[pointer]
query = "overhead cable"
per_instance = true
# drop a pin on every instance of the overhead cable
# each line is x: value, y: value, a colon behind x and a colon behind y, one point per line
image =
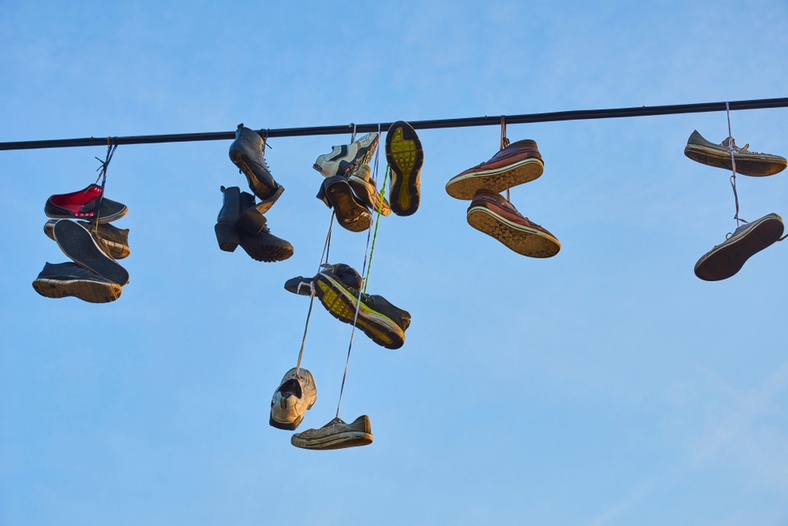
x: 571, y: 115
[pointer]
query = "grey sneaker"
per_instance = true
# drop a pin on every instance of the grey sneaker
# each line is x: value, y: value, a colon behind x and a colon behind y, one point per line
x: 76, y: 242
x: 114, y: 240
x: 719, y: 155
x: 727, y: 258
x: 59, y: 280
x: 295, y: 395
x: 335, y: 435
x: 343, y: 159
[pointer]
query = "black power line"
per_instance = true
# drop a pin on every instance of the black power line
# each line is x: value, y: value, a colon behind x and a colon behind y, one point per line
x: 642, y: 111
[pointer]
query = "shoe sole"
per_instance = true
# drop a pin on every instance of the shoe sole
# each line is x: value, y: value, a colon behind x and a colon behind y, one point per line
x: 77, y: 243
x: 727, y: 259
x: 405, y: 157
x: 338, y: 441
x: 523, y: 240
x: 281, y: 251
x: 353, y: 216
x: 90, y: 291
x: 496, y: 180
x: 342, y: 305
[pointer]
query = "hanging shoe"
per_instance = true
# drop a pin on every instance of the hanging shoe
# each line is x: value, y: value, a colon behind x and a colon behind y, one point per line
x: 247, y: 152
x: 76, y: 242
x: 114, y: 240
x: 383, y: 322
x: 336, y: 435
x: 405, y: 157
x: 295, y: 395
x: 336, y: 193
x: 255, y: 237
x: 84, y: 204
x: 343, y: 159
x: 492, y: 214
x: 719, y: 156
x: 518, y: 163
x: 727, y: 258
x: 225, y: 229
x: 360, y: 180
x: 346, y: 274
x: 59, y: 280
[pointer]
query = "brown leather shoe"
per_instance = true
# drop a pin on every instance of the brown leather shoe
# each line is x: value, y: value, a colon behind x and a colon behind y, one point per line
x: 492, y: 214
x: 518, y: 163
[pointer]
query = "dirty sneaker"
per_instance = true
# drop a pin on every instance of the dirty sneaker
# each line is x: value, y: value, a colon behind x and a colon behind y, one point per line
x: 405, y: 157
x: 719, y: 156
x: 295, y: 395
x: 336, y: 435
x: 343, y: 159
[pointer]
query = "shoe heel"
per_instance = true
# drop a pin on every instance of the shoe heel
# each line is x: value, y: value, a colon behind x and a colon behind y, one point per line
x: 227, y: 236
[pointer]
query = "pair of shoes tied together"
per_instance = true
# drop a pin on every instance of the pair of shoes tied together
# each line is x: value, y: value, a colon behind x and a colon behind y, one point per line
x: 491, y: 213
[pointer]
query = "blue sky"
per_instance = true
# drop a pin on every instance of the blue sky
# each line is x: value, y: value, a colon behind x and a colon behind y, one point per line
x: 604, y: 386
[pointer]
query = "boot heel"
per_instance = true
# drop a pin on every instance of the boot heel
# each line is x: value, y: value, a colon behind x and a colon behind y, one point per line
x: 227, y: 236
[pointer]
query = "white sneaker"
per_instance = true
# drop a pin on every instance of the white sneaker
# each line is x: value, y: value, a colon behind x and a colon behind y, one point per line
x: 295, y: 395
x: 345, y: 158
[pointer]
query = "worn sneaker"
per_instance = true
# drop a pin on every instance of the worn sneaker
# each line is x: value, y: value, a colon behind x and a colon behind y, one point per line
x: 295, y: 395
x: 383, y: 322
x: 76, y: 242
x: 518, y: 163
x: 336, y: 193
x: 114, y: 240
x: 336, y: 435
x: 59, y: 280
x: 492, y: 214
x: 719, y: 155
x: 364, y: 189
x: 346, y: 274
x: 88, y: 203
x: 726, y: 259
x: 343, y: 159
x: 247, y: 152
x: 405, y: 157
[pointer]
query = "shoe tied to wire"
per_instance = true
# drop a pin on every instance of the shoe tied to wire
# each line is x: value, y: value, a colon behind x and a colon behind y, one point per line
x: 343, y: 159
x: 247, y: 153
x: 336, y: 435
x: 364, y: 188
x: 255, y: 237
x: 492, y: 214
x: 295, y: 395
x: 405, y: 156
x: 382, y: 321
x: 59, y: 280
x: 346, y: 274
x: 114, y: 240
x: 88, y: 203
x: 518, y: 163
x: 351, y: 213
x: 727, y: 258
x: 719, y: 156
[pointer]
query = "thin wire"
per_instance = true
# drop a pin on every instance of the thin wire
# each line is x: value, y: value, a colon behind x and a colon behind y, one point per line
x: 364, y: 272
x: 731, y: 150
x: 504, y: 144
x: 103, y: 176
x: 312, y: 295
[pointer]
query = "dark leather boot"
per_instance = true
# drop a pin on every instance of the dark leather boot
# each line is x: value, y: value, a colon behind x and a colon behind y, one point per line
x: 226, y: 232
x: 247, y: 153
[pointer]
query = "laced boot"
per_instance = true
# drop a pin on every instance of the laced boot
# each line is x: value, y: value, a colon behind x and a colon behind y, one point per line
x: 364, y: 189
x: 255, y: 236
x: 226, y: 232
x: 247, y: 153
